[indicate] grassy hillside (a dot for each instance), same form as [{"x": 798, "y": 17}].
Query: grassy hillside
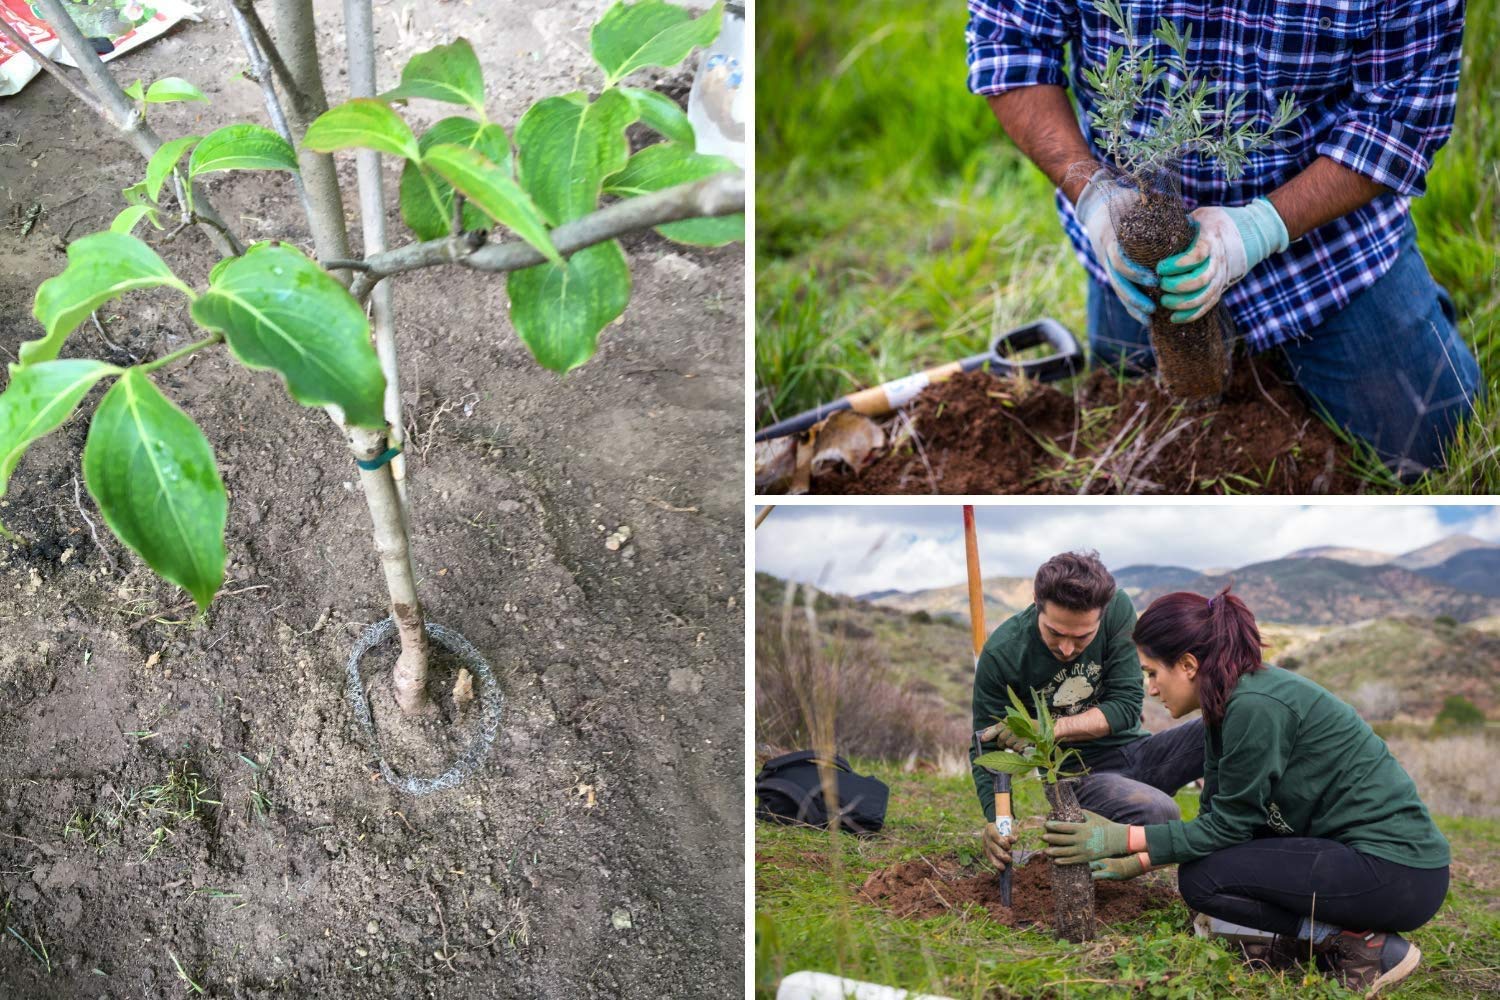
[
  {"x": 808, "y": 917},
  {"x": 1423, "y": 661}
]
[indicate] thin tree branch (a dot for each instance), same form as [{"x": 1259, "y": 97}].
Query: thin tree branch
[
  {"x": 299, "y": 36},
  {"x": 52, "y": 68},
  {"x": 359, "y": 27},
  {"x": 246, "y": 14},
  {"x": 118, "y": 109},
  {"x": 721, "y": 194}
]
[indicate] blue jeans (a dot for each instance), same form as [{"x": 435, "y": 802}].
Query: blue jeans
[
  {"x": 1134, "y": 784},
  {"x": 1390, "y": 367}
]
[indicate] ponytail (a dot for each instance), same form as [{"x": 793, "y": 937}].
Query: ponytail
[{"x": 1221, "y": 634}]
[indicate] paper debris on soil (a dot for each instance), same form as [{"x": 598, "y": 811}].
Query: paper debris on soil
[{"x": 117, "y": 26}]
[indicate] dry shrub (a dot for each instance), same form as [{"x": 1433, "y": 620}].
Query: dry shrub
[
  {"x": 810, "y": 685},
  {"x": 1454, "y": 774}
]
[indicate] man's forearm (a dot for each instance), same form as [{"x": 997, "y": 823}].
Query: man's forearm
[
  {"x": 1082, "y": 727},
  {"x": 1324, "y": 191},
  {"x": 1042, "y": 124}
]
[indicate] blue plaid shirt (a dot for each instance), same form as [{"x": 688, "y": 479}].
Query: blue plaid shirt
[{"x": 1377, "y": 81}]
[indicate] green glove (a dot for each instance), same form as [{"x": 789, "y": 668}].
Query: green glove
[
  {"x": 1094, "y": 838},
  {"x": 1117, "y": 869}
]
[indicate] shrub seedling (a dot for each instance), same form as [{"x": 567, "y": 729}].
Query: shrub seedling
[
  {"x": 1047, "y": 759},
  {"x": 524, "y": 202},
  {"x": 1193, "y": 357}
]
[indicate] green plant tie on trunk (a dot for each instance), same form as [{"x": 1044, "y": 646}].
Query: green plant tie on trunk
[{"x": 372, "y": 464}]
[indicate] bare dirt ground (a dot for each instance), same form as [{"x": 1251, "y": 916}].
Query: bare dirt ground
[{"x": 597, "y": 853}]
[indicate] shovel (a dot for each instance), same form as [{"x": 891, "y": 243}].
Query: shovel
[{"x": 1065, "y": 361}]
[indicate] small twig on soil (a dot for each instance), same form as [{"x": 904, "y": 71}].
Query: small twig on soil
[
  {"x": 188, "y": 604},
  {"x": 1109, "y": 448},
  {"x": 1256, "y": 372},
  {"x": 946, "y": 904},
  {"x": 916, "y": 441},
  {"x": 105, "y": 337},
  {"x": 668, "y": 507},
  {"x": 438, "y": 905},
  {"x": 78, "y": 502}
]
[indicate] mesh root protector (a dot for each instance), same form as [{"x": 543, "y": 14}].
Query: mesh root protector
[{"x": 490, "y": 702}]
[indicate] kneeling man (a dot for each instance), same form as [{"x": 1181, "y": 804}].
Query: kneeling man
[{"x": 1073, "y": 647}]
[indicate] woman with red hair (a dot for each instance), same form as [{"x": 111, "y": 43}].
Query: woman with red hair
[{"x": 1307, "y": 828}]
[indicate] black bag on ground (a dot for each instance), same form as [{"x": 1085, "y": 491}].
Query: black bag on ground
[{"x": 788, "y": 790}]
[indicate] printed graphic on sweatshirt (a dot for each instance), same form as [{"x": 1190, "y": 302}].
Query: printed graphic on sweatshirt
[
  {"x": 1073, "y": 689},
  {"x": 1276, "y": 821}
]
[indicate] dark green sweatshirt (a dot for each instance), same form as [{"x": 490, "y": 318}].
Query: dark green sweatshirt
[
  {"x": 1106, "y": 676},
  {"x": 1293, "y": 760}
]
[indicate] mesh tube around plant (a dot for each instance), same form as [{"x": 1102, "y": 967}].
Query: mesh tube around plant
[
  {"x": 1193, "y": 358},
  {"x": 490, "y": 703}
]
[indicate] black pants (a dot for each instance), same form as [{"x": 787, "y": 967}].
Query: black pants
[
  {"x": 1272, "y": 883},
  {"x": 1134, "y": 784}
]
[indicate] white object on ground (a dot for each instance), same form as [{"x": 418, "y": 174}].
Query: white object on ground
[
  {"x": 822, "y": 986},
  {"x": 719, "y": 102}
]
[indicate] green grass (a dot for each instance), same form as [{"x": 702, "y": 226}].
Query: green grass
[
  {"x": 807, "y": 917},
  {"x": 897, "y": 228}
]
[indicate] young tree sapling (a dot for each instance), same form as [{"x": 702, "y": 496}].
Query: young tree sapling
[{"x": 524, "y": 204}]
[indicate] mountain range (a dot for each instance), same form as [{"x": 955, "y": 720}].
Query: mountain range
[{"x": 1458, "y": 576}]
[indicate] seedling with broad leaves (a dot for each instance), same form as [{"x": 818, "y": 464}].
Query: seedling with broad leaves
[
  {"x": 1048, "y": 760},
  {"x": 523, "y": 201}
]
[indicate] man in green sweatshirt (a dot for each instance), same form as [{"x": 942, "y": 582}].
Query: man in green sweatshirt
[{"x": 1073, "y": 648}]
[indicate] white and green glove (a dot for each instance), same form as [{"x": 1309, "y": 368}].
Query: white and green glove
[
  {"x": 1227, "y": 244},
  {"x": 1095, "y": 210}
]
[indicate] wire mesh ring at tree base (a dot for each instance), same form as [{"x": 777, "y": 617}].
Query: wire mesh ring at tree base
[{"x": 490, "y": 703}]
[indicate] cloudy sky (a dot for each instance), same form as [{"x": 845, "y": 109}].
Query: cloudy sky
[{"x": 858, "y": 549}]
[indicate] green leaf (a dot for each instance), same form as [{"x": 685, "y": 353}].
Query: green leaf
[
  {"x": 363, "y": 123},
  {"x": 492, "y": 190},
  {"x": 101, "y": 266},
  {"x": 448, "y": 73},
  {"x": 136, "y": 194},
  {"x": 152, "y": 473},
  {"x": 131, "y": 217},
  {"x": 1021, "y": 726},
  {"x": 1016, "y": 702},
  {"x": 427, "y": 199},
  {"x": 668, "y": 164},
  {"x": 651, "y": 33},
  {"x": 134, "y": 91},
  {"x": 242, "y": 147},
  {"x": 567, "y": 146},
  {"x": 173, "y": 88},
  {"x": 661, "y": 113},
  {"x": 1004, "y": 760},
  {"x": 160, "y": 166},
  {"x": 559, "y": 309},
  {"x": 281, "y": 311},
  {"x": 39, "y": 399}
]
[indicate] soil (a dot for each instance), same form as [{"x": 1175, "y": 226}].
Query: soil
[
  {"x": 917, "y": 890},
  {"x": 1072, "y": 885},
  {"x": 976, "y": 433},
  {"x": 597, "y": 851}
]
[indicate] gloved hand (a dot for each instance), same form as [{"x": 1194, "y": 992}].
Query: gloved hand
[
  {"x": 996, "y": 847},
  {"x": 1228, "y": 243},
  {"x": 1094, "y": 838},
  {"x": 1094, "y": 211},
  {"x": 1007, "y": 739},
  {"x": 1117, "y": 869}
]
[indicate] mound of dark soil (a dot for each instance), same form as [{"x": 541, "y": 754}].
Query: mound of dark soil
[
  {"x": 976, "y": 433},
  {"x": 919, "y": 889}
]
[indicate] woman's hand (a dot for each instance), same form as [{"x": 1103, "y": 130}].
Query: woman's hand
[
  {"x": 1117, "y": 869},
  {"x": 1094, "y": 838}
]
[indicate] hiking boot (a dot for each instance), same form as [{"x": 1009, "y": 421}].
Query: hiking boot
[{"x": 1369, "y": 961}]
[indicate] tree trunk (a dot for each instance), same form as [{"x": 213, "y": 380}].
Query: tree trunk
[{"x": 1072, "y": 885}]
